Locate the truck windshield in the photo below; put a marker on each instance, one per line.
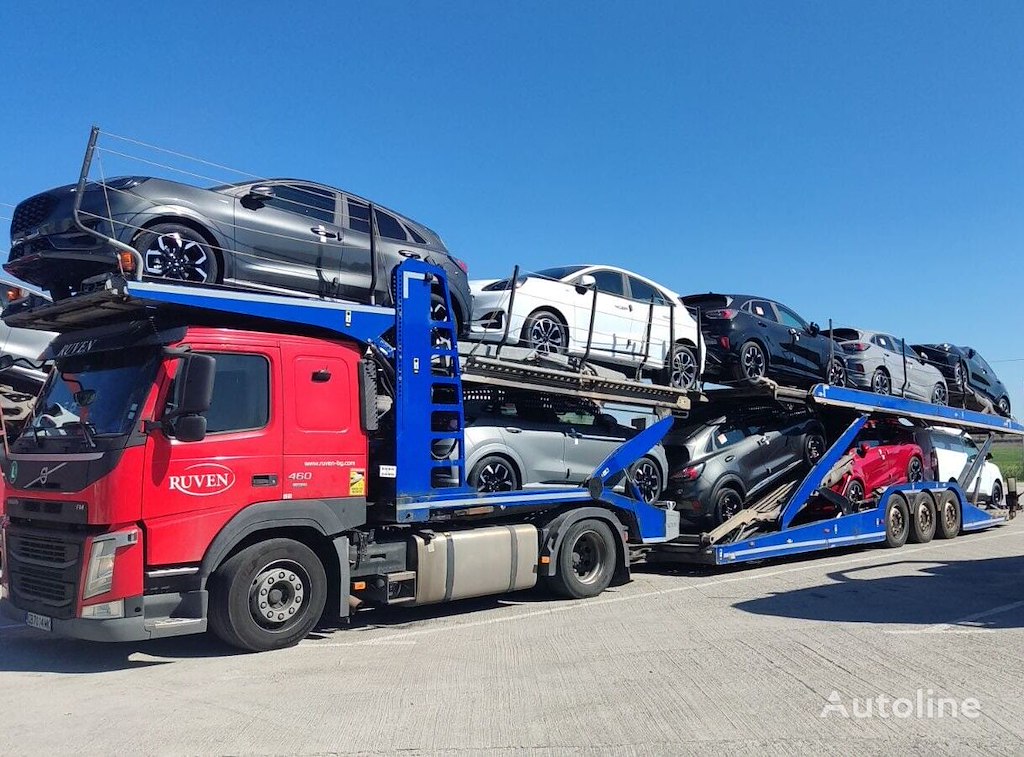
(94, 395)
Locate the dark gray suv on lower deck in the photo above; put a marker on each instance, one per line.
(280, 235)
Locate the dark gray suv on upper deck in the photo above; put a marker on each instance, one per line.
(279, 235)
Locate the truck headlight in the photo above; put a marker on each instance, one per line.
(100, 576)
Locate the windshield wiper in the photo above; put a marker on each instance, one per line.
(87, 433)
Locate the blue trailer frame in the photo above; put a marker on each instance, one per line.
(865, 526)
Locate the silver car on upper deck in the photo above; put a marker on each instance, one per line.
(885, 364)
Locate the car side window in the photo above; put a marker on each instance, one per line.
(981, 362)
(761, 309)
(726, 436)
(305, 200)
(358, 216)
(788, 318)
(882, 341)
(644, 292)
(389, 227)
(610, 282)
(415, 235)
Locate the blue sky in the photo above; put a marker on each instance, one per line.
(862, 161)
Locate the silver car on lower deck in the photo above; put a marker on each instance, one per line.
(518, 439)
(884, 364)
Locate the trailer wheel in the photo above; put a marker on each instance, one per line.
(268, 596)
(947, 519)
(586, 560)
(922, 522)
(897, 521)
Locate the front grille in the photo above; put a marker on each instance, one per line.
(44, 569)
(32, 212)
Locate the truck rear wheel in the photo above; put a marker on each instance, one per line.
(268, 596)
(586, 560)
(922, 520)
(947, 519)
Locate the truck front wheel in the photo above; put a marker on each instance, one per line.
(586, 560)
(268, 595)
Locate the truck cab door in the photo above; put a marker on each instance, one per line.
(194, 488)
(286, 237)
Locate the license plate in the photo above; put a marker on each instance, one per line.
(41, 622)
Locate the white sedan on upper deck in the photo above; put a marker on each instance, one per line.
(635, 320)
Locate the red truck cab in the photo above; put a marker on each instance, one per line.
(114, 520)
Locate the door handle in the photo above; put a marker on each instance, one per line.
(573, 434)
(761, 323)
(762, 441)
(513, 430)
(264, 479)
(624, 307)
(320, 231)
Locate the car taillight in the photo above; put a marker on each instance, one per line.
(723, 314)
(855, 346)
(724, 341)
(461, 264)
(690, 473)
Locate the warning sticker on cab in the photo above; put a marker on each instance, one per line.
(357, 482)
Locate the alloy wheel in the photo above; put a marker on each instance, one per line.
(647, 480)
(172, 256)
(547, 334)
(496, 477)
(836, 372)
(684, 369)
(855, 491)
(881, 383)
(915, 471)
(753, 362)
(939, 395)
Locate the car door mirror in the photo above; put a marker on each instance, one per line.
(605, 420)
(585, 283)
(813, 329)
(989, 456)
(862, 449)
(970, 354)
(792, 332)
(260, 193)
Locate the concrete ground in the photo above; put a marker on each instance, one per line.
(742, 661)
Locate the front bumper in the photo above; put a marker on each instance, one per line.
(135, 626)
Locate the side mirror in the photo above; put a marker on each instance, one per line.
(989, 456)
(586, 283)
(813, 329)
(190, 428)
(605, 420)
(862, 448)
(193, 385)
(970, 353)
(260, 193)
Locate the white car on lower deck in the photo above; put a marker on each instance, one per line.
(636, 321)
(954, 448)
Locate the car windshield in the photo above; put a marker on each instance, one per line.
(559, 272)
(101, 393)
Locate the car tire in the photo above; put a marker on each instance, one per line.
(996, 499)
(881, 382)
(439, 312)
(922, 519)
(269, 595)
(960, 376)
(585, 564)
(940, 396)
(836, 375)
(814, 448)
(915, 470)
(753, 364)
(177, 252)
(684, 370)
(897, 521)
(546, 331)
(728, 503)
(1003, 406)
(947, 516)
(855, 491)
(494, 473)
(646, 476)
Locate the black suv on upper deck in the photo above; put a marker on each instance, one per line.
(749, 338)
(280, 235)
